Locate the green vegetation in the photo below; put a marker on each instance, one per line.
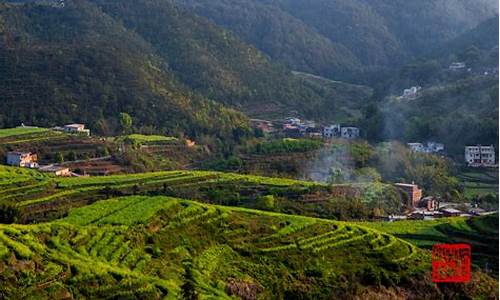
(102, 69)
(286, 145)
(456, 113)
(479, 182)
(148, 139)
(181, 247)
(4, 133)
(327, 38)
(480, 232)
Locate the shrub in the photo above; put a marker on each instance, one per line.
(266, 202)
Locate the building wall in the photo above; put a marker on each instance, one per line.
(480, 155)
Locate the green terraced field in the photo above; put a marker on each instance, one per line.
(9, 132)
(149, 139)
(139, 240)
(38, 193)
(479, 182)
(103, 247)
(480, 232)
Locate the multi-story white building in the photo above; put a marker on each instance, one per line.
(331, 131)
(480, 156)
(349, 133)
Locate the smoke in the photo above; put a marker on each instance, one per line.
(334, 163)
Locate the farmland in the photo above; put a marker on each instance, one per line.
(5, 133)
(137, 236)
(479, 182)
(140, 247)
(149, 139)
(480, 232)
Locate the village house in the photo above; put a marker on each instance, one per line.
(412, 193)
(430, 147)
(291, 131)
(263, 125)
(416, 147)
(22, 159)
(456, 66)
(480, 156)
(76, 128)
(349, 133)
(411, 93)
(56, 170)
(433, 147)
(331, 131)
(293, 121)
(429, 203)
(313, 132)
(451, 212)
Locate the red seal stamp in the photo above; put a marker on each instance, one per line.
(451, 263)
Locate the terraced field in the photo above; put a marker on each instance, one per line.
(134, 247)
(38, 194)
(480, 232)
(139, 242)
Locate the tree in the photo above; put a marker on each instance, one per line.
(59, 158)
(125, 122)
(72, 156)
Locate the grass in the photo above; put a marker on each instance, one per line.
(9, 132)
(149, 139)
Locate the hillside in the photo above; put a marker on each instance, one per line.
(480, 37)
(456, 113)
(162, 248)
(35, 196)
(481, 233)
(171, 63)
(71, 64)
(385, 38)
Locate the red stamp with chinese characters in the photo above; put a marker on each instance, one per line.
(451, 263)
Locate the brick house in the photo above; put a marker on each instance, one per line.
(412, 192)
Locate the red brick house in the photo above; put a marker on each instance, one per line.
(412, 193)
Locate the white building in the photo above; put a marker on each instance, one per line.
(331, 131)
(480, 156)
(411, 93)
(457, 66)
(293, 121)
(430, 147)
(350, 133)
(433, 147)
(22, 159)
(56, 170)
(76, 128)
(416, 147)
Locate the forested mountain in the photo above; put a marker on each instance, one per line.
(147, 58)
(171, 69)
(377, 33)
(76, 63)
(457, 114)
(481, 37)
